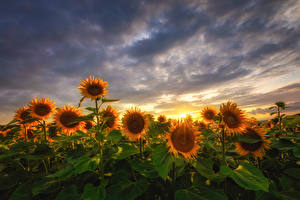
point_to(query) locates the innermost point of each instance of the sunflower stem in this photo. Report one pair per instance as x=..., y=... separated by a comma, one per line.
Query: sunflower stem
x=141, y=150
x=44, y=130
x=100, y=144
x=174, y=172
x=223, y=145
x=25, y=133
x=45, y=166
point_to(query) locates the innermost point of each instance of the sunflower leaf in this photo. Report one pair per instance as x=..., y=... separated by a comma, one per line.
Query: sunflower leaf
x=247, y=176
x=162, y=160
x=109, y=100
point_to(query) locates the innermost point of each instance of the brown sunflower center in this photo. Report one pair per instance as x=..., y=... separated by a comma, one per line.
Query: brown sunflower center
x=95, y=90
x=231, y=120
x=136, y=123
x=209, y=114
x=110, y=122
x=25, y=115
x=183, y=139
x=67, y=119
x=161, y=119
x=252, y=146
x=42, y=109
x=88, y=125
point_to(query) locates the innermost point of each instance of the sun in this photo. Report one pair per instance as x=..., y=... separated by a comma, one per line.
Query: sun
x=257, y=149
x=183, y=138
x=134, y=124
x=93, y=88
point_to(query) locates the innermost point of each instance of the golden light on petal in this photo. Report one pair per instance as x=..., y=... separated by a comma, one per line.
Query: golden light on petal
x=7, y=132
x=162, y=118
x=134, y=124
x=93, y=88
x=112, y=113
x=65, y=117
x=257, y=149
x=23, y=114
x=208, y=113
x=41, y=108
x=182, y=138
x=233, y=118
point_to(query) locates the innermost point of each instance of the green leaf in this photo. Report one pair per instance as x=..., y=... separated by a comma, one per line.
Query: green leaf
x=247, y=176
x=44, y=186
x=22, y=192
x=115, y=136
x=7, y=182
x=91, y=192
x=91, y=109
x=184, y=194
x=63, y=174
x=296, y=151
x=125, y=150
x=144, y=167
x=293, y=172
x=85, y=163
x=162, y=160
x=205, y=167
x=109, y=100
x=68, y=193
x=126, y=189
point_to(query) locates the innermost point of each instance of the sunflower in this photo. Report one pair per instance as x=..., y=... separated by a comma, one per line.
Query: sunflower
x=87, y=126
x=23, y=114
x=269, y=124
x=134, y=123
x=162, y=118
x=208, y=113
x=41, y=108
x=182, y=138
x=201, y=125
x=93, y=88
x=30, y=133
x=113, y=114
x=233, y=118
x=257, y=149
x=7, y=132
x=65, y=117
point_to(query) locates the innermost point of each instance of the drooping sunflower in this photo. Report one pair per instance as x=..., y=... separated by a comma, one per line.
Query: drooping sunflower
x=65, y=118
x=41, y=108
x=113, y=114
x=87, y=126
x=257, y=149
x=201, y=125
x=134, y=124
x=31, y=135
x=182, y=138
x=93, y=88
x=7, y=132
x=233, y=118
x=208, y=113
x=23, y=114
x=162, y=118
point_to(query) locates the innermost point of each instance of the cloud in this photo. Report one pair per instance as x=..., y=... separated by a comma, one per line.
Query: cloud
x=147, y=49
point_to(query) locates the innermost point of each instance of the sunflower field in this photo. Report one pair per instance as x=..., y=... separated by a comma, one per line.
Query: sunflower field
x=70, y=152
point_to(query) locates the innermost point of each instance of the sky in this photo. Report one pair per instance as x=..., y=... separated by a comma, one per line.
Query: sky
x=169, y=57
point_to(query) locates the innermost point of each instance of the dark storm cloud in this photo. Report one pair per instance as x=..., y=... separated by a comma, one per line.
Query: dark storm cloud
x=46, y=47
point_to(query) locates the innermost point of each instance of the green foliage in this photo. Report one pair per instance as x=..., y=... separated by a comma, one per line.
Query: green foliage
x=247, y=176
x=162, y=160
